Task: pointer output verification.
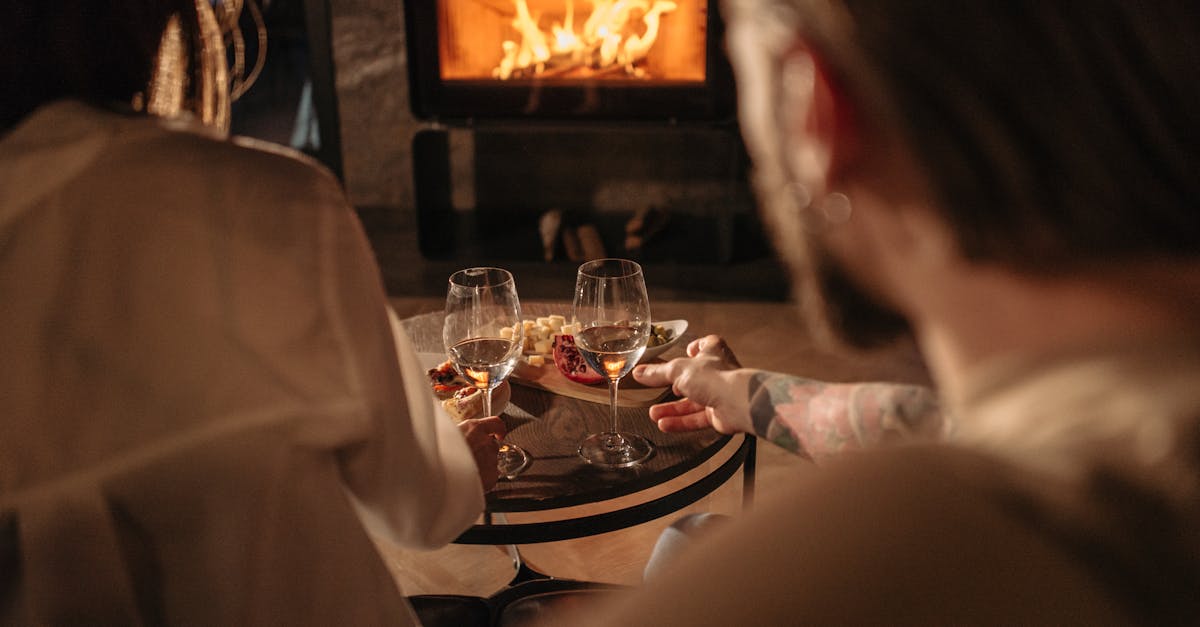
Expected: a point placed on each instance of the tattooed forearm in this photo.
(773, 394)
(818, 419)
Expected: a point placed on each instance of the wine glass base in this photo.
(615, 450)
(512, 460)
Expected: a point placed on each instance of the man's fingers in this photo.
(652, 375)
(706, 343)
(681, 415)
(674, 408)
(713, 345)
(685, 422)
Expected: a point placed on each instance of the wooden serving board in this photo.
(549, 378)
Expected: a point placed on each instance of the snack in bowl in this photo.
(664, 335)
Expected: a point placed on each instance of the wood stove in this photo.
(568, 59)
(583, 115)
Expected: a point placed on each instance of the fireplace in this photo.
(568, 59)
(555, 130)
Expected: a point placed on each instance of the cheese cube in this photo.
(543, 346)
(543, 321)
(536, 361)
(506, 333)
(556, 322)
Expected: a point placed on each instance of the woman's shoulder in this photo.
(265, 159)
(195, 157)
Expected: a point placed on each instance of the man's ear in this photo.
(824, 127)
(835, 120)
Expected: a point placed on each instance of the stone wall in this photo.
(372, 85)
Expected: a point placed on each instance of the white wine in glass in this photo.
(613, 313)
(482, 335)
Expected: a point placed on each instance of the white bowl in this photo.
(678, 326)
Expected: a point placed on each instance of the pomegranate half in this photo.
(571, 363)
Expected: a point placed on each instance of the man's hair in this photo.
(1052, 132)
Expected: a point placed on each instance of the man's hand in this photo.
(713, 395)
(483, 437)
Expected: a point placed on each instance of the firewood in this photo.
(549, 226)
(572, 244)
(644, 226)
(593, 246)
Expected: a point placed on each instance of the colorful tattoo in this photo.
(817, 419)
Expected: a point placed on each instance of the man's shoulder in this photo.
(915, 488)
(912, 535)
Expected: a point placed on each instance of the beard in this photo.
(839, 309)
(839, 312)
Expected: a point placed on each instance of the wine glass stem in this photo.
(612, 401)
(487, 411)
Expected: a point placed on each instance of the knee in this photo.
(675, 539)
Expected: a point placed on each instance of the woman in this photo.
(205, 402)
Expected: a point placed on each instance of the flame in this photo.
(609, 38)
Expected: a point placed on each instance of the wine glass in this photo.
(483, 338)
(613, 313)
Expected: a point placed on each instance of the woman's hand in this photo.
(483, 438)
(711, 384)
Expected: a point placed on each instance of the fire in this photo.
(616, 35)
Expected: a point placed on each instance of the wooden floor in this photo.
(764, 335)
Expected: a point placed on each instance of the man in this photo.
(205, 401)
(1014, 182)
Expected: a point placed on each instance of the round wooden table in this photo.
(550, 427)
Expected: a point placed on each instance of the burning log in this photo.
(609, 40)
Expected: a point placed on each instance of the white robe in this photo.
(200, 398)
